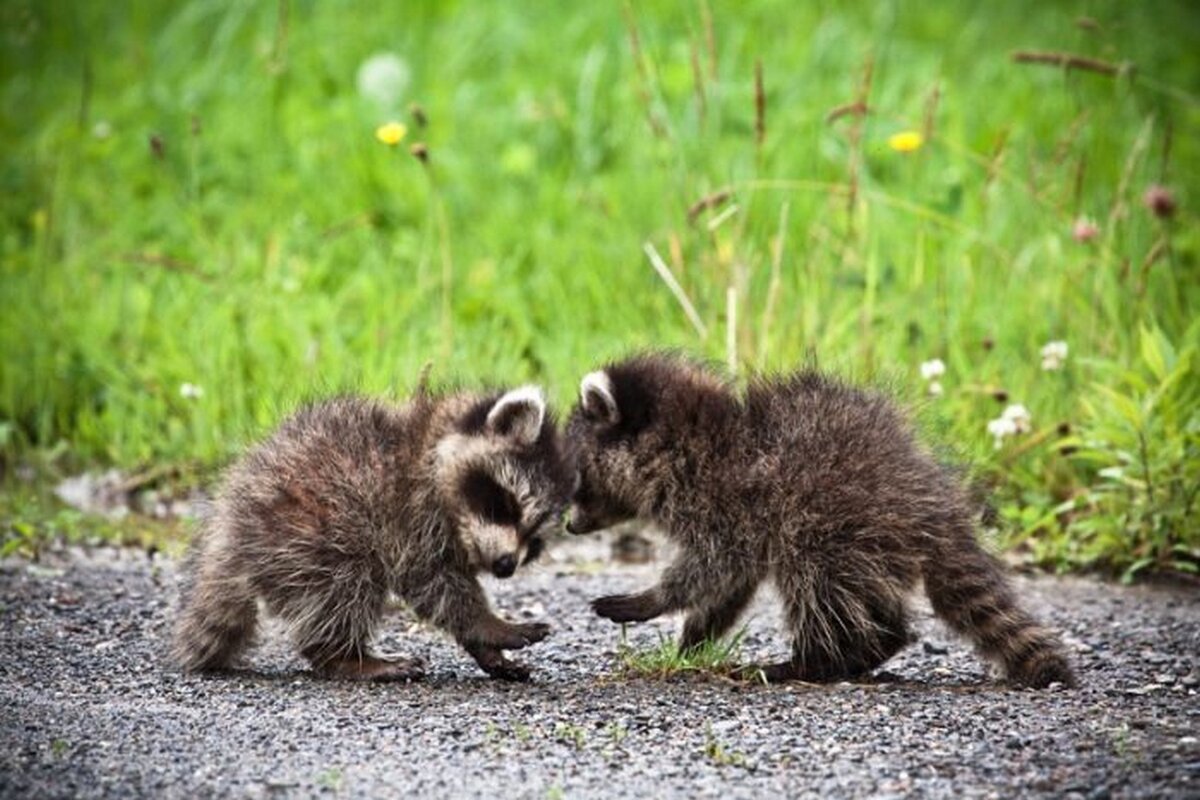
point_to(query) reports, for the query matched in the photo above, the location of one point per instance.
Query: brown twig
(364, 219)
(1157, 250)
(709, 201)
(1071, 61)
(169, 263)
(857, 108)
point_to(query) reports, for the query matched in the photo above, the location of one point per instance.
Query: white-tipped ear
(518, 414)
(596, 398)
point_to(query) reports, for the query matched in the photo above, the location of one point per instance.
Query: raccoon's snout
(504, 566)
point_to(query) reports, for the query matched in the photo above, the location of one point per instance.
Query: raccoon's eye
(490, 500)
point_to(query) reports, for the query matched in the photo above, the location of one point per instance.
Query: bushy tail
(969, 590)
(218, 615)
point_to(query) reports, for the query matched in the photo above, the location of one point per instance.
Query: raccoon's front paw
(494, 663)
(508, 670)
(533, 632)
(375, 668)
(625, 607)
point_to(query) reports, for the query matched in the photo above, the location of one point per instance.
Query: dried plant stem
(698, 83)
(668, 278)
(855, 108)
(1157, 251)
(854, 135)
(1069, 61)
(760, 109)
(447, 277)
(710, 200)
(931, 106)
(731, 328)
(710, 39)
(773, 285)
(643, 74)
(719, 219)
(279, 47)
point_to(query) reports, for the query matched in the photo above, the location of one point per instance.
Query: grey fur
(806, 481)
(351, 500)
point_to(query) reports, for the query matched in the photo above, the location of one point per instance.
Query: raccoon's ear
(597, 400)
(518, 414)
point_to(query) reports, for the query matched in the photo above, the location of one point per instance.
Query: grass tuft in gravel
(665, 660)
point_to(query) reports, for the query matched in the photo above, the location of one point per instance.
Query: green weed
(665, 660)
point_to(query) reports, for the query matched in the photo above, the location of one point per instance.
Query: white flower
(999, 428)
(1018, 415)
(933, 368)
(382, 79)
(1053, 355)
(935, 388)
(190, 391)
(1014, 420)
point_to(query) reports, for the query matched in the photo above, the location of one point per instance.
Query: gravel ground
(90, 708)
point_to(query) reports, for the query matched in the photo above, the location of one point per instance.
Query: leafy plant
(1141, 444)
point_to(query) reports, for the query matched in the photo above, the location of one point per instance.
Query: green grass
(193, 194)
(665, 659)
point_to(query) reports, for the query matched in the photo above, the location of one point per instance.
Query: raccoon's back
(332, 470)
(843, 453)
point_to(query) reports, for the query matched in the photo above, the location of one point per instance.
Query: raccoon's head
(505, 479)
(632, 418)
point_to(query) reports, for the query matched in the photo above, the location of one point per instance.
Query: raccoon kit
(802, 480)
(351, 501)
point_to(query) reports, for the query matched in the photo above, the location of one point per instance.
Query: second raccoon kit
(352, 500)
(806, 481)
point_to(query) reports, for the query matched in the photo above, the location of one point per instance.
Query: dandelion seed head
(933, 368)
(999, 428)
(1019, 416)
(1054, 354)
(382, 79)
(190, 391)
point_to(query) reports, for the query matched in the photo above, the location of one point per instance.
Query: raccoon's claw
(624, 608)
(494, 663)
(507, 670)
(533, 632)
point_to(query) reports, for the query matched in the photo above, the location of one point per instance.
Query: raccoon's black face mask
(593, 510)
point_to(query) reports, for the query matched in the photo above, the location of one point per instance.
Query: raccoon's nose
(504, 566)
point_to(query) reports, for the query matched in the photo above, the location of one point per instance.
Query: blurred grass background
(200, 227)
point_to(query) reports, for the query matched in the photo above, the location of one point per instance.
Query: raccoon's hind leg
(332, 620)
(968, 589)
(710, 621)
(842, 626)
(219, 614)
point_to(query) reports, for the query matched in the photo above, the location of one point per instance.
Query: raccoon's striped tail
(968, 589)
(218, 615)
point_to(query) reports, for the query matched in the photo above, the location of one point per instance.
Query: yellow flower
(391, 133)
(905, 141)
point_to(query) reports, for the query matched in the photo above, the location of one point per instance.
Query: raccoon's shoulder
(816, 398)
(352, 424)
